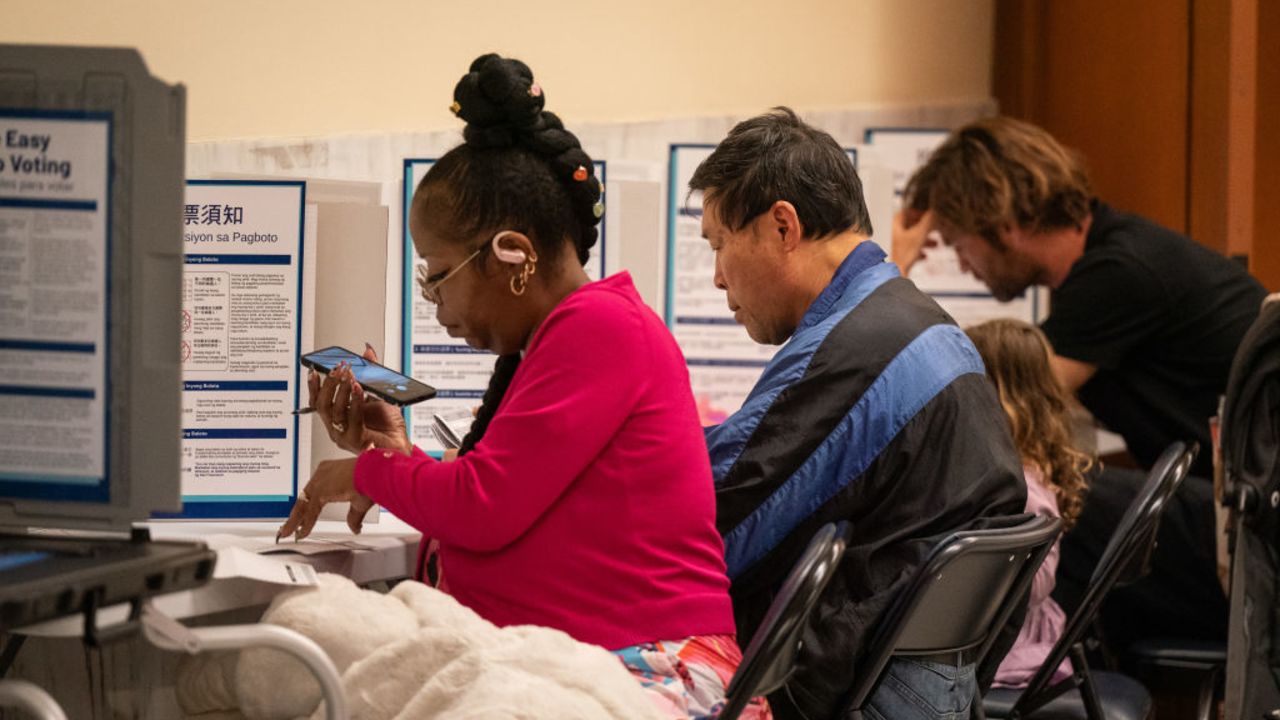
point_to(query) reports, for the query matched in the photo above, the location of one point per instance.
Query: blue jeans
(923, 690)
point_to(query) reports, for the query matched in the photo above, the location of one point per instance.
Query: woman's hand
(353, 422)
(912, 235)
(334, 481)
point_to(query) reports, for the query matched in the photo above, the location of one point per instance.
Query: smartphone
(376, 379)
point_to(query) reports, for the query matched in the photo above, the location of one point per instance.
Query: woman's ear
(512, 247)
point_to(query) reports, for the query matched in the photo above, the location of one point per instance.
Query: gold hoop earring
(521, 282)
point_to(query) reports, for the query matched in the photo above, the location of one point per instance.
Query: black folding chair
(1102, 695)
(958, 599)
(1187, 669)
(770, 658)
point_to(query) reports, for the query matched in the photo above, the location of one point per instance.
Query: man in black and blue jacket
(876, 410)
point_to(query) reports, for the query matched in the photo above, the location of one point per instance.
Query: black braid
(503, 371)
(518, 169)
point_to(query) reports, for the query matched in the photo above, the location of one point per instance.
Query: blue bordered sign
(241, 338)
(55, 288)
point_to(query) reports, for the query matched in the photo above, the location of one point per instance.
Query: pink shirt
(1045, 621)
(589, 505)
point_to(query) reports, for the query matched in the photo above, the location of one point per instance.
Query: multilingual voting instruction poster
(241, 329)
(724, 362)
(903, 150)
(55, 250)
(459, 372)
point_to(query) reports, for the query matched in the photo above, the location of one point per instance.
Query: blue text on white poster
(55, 249)
(241, 321)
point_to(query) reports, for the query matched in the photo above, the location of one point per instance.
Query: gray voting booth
(91, 165)
(91, 184)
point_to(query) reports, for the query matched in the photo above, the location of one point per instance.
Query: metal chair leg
(1088, 693)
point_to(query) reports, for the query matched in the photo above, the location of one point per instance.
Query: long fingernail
(277, 537)
(367, 346)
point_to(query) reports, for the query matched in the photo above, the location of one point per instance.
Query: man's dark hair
(777, 156)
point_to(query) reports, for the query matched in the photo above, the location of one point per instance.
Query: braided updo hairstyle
(517, 169)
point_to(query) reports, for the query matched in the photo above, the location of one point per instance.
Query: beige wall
(261, 68)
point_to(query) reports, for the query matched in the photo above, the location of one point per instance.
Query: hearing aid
(515, 256)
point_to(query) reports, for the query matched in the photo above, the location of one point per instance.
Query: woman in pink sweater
(582, 498)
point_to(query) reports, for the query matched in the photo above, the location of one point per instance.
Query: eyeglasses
(431, 288)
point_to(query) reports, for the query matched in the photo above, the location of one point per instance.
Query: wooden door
(1108, 79)
(1174, 104)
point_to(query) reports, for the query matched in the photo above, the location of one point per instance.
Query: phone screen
(374, 378)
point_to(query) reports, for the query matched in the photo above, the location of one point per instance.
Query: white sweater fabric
(411, 654)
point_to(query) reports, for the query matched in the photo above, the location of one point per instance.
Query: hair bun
(498, 101)
(503, 108)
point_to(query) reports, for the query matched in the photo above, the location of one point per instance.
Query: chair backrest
(1125, 557)
(1251, 461)
(958, 599)
(770, 657)
(1141, 519)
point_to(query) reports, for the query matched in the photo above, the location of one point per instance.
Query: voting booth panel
(90, 256)
(93, 337)
(88, 312)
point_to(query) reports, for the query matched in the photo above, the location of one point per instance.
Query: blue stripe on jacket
(861, 272)
(932, 361)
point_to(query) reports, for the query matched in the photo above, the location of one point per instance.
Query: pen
(304, 410)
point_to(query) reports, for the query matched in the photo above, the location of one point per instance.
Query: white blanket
(414, 653)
